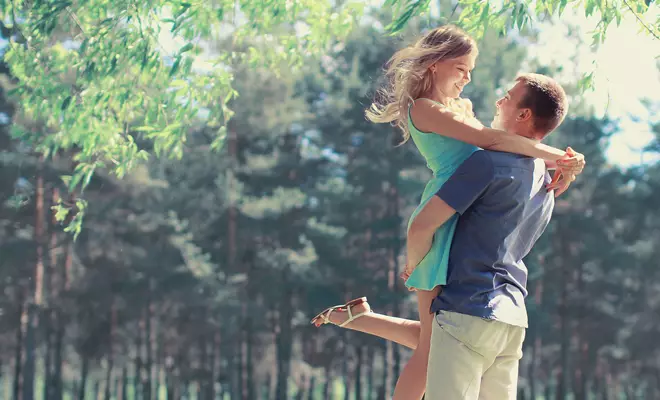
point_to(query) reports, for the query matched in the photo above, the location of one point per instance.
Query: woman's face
(451, 76)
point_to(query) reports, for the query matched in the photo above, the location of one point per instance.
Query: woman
(425, 83)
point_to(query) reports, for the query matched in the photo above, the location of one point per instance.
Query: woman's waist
(448, 163)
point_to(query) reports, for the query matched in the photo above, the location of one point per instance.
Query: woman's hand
(568, 169)
(406, 274)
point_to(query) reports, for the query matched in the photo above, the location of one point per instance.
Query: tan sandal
(325, 314)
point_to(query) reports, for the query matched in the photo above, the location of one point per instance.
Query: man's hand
(567, 170)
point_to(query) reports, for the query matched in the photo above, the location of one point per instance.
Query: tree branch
(641, 21)
(75, 19)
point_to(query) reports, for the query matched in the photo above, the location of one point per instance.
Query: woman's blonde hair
(409, 77)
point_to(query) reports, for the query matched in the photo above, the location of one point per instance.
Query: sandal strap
(325, 314)
(352, 318)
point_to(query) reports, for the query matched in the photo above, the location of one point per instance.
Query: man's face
(507, 109)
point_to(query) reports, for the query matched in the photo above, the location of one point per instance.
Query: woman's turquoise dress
(443, 155)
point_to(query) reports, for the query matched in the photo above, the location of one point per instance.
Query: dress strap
(431, 100)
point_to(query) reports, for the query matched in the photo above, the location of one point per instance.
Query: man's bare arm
(420, 234)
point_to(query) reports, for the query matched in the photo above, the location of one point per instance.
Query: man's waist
(504, 307)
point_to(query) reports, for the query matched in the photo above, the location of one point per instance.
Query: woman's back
(442, 154)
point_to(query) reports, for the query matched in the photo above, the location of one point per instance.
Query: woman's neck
(436, 94)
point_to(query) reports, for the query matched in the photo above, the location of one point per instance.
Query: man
(505, 205)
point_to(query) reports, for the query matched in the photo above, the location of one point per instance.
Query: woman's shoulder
(429, 116)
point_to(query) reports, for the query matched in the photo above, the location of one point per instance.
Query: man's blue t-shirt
(504, 208)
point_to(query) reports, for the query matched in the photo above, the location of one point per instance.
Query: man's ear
(524, 114)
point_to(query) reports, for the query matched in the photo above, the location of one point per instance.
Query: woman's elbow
(419, 229)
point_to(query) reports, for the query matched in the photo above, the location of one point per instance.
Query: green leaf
(175, 67)
(186, 48)
(589, 7)
(65, 103)
(75, 179)
(88, 176)
(66, 179)
(61, 212)
(220, 138)
(485, 13)
(521, 16)
(586, 82)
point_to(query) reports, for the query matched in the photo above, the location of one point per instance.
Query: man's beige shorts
(473, 358)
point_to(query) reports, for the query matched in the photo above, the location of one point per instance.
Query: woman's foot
(343, 315)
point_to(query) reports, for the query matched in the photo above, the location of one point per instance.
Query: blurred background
(196, 278)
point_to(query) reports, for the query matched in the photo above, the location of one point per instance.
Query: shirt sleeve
(468, 182)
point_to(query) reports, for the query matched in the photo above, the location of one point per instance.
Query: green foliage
(101, 76)
(117, 81)
(205, 270)
(477, 16)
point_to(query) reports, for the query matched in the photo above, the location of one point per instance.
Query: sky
(626, 71)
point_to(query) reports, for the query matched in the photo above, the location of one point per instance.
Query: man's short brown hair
(547, 100)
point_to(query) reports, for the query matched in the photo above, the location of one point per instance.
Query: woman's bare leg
(399, 330)
(412, 381)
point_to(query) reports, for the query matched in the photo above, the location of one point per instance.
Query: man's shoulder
(503, 158)
(500, 159)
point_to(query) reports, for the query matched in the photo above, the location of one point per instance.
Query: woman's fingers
(574, 170)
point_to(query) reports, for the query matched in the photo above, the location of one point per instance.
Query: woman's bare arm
(430, 117)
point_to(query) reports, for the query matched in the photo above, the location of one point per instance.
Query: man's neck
(529, 134)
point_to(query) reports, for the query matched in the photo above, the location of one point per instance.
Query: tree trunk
(359, 372)
(30, 344)
(247, 378)
(252, 384)
(345, 369)
(18, 354)
(301, 388)
(148, 367)
(537, 344)
(371, 374)
(137, 379)
(217, 362)
(34, 304)
(48, 355)
(235, 374)
(60, 323)
(563, 372)
(582, 368)
(108, 373)
(311, 388)
(387, 389)
(284, 342)
(209, 367)
(327, 386)
(53, 298)
(97, 389)
(83, 378)
(122, 391)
